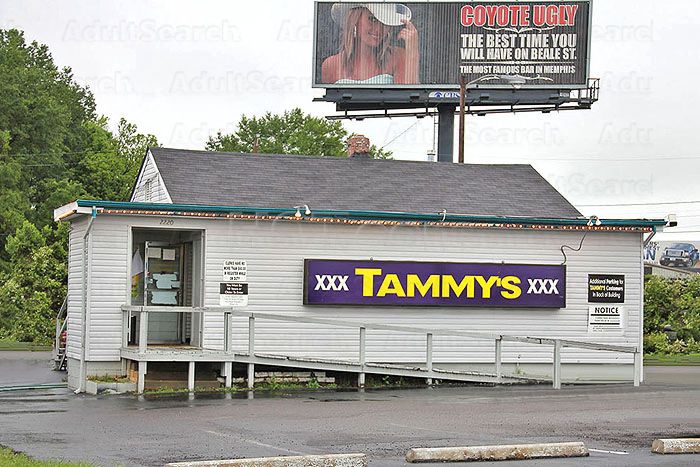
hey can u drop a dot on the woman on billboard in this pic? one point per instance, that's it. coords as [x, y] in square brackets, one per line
[378, 45]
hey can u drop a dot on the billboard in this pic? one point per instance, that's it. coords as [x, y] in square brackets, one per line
[682, 254]
[412, 283]
[428, 45]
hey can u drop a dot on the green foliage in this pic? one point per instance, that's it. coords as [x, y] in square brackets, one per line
[293, 132]
[9, 344]
[53, 150]
[313, 384]
[16, 459]
[675, 303]
[43, 107]
[658, 343]
[35, 285]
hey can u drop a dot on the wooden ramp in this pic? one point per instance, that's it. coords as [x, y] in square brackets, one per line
[143, 353]
[192, 356]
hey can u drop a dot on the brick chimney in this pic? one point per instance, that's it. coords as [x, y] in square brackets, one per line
[358, 146]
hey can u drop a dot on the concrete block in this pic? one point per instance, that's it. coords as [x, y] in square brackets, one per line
[327, 460]
[96, 387]
[676, 446]
[497, 453]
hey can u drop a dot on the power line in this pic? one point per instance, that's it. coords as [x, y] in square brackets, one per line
[625, 159]
[641, 204]
[400, 134]
[36, 154]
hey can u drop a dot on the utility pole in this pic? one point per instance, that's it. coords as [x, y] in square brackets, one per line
[462, 98]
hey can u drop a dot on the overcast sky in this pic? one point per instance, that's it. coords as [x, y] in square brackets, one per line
[183, 70]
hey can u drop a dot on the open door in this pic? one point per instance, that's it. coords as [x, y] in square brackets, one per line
[163, 286]
[166, 271]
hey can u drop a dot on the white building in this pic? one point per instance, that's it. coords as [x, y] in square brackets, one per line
[203, 229]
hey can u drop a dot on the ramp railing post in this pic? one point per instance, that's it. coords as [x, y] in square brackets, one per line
[637, 368]
[361, 375]
[251, 351]
[125, 329]
[190, 377]
[497, 360]
[141, 383]
[556, 369]
[227, 332]
[429, 356]
[228, 347]
[143, 331]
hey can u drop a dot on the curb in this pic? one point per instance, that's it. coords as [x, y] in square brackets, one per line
[327, 460]
[676, 446]
[497, 453]
[27, 387]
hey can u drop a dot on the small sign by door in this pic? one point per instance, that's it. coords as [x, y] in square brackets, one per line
[233, 294]
[235, 270]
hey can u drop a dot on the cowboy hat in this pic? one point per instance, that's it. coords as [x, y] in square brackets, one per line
[390, 14]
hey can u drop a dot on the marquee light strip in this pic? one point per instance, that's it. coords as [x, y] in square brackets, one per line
[390, 223]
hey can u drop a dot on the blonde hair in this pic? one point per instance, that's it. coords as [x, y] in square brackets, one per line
[349, 41]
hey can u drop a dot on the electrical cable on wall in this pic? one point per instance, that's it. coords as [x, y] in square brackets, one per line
[572, 248]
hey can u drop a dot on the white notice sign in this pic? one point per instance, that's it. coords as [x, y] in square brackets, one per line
[605, 318]
[233, 294]
[235, 270]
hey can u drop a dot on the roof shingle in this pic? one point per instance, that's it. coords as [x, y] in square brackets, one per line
[275, 181]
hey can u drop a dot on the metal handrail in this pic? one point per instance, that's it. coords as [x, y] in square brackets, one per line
[174, 309]
[61, 325]
[385, 327]
[438, 332]
[230, 312]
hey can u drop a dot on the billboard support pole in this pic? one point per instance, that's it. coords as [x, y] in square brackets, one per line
[462, 92]
[446, 132]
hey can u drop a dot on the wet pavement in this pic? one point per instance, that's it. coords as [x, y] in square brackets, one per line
[127, 430]
[19, 367]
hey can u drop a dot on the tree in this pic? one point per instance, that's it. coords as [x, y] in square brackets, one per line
[111, 163]
[43, 107]
[42, 131]
[675, 303]
[13, 201]
[53, 150]
[35, 287]
[131, 148]
[293, 132]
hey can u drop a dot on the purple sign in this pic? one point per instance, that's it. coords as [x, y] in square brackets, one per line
[412, 283]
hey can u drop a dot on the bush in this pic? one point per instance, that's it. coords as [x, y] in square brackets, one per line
[675, 303]
[655, 343]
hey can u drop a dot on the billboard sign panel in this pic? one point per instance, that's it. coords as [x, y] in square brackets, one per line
[542, 44]
[411, 283]
[683, 254]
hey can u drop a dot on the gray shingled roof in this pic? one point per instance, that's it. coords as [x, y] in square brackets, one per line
[275, 181]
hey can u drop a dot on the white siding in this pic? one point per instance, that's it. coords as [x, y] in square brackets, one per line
[275, 254]
[75, 287]
[150, 187]
[109, 287]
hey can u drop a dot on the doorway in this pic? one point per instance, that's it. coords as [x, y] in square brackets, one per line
[166, 271]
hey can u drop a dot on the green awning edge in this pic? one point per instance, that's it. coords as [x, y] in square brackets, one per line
[367, 215]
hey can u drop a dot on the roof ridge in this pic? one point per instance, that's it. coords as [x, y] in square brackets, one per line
[334, 158]
[340, 183]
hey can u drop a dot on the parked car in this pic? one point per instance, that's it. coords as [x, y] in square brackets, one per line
[680, 254]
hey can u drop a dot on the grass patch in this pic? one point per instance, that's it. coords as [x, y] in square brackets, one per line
[269, 386]
[6, 344]
[109, 379]
[16, 459]
[692, 359]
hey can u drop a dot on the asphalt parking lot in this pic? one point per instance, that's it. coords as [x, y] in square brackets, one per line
[617, 421]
